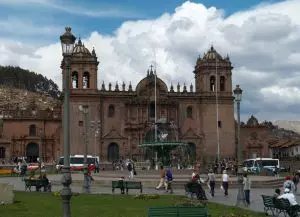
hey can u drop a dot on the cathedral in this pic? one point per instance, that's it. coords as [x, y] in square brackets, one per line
[120, 118]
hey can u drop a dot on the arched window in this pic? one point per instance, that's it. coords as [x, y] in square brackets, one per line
[86, 80]
[74, 79]
[189, 112]
[32, 130]
[2, 152]
[212, 83]
[222, 83]
[111, 111]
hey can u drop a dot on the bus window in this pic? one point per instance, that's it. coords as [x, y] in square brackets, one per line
[76, 160]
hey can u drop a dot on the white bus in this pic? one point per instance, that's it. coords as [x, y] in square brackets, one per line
[77, 162]
[254, 165]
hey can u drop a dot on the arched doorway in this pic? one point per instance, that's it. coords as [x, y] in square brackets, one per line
[192, 151]
[32, 152]
[2, 152]
[112, 152]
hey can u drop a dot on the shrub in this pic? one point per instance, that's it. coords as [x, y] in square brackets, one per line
[147, 197]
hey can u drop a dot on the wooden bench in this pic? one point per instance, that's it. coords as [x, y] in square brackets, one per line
[133, 185]
[38, 183]
[177, 212]
[278, 206]
[118, 184]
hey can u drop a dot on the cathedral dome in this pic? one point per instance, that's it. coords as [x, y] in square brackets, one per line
[80, 49]
[212, 54]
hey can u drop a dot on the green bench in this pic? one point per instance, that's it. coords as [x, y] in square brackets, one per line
[133, 185]
[126, 185]
[37, 183]
[278, 206]
[177, 211]
[118, 184]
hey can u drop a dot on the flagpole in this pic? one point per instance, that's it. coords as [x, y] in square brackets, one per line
[155, 117]
[217, 112]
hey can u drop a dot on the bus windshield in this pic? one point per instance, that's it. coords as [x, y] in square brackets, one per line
[248, 163]
[78, 160]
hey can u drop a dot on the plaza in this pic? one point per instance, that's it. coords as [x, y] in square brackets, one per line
[102, 185]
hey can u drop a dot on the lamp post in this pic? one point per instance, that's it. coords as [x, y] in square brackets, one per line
[67, 44]
[41, 151]
[86, 183]
[241, 195]
[95, 125]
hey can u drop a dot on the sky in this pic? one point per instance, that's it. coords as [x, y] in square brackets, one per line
[262, 39]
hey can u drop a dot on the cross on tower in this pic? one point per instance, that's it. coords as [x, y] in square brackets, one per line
[151, 66]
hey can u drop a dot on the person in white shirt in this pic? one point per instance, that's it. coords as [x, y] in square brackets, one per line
[225, 179]
[290, 196]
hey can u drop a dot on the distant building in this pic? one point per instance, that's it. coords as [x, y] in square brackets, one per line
[266, 140]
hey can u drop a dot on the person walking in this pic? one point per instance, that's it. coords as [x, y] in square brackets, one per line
[162, 178]
[211, 179]
[169, 179]
[247, 187]
[225, 179]
[130, 170]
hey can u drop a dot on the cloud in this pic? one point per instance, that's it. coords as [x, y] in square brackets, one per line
[21, 27]
[75, 8]
[263, 44]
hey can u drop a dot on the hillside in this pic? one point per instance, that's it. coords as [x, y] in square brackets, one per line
[17, 77]
[12, 98]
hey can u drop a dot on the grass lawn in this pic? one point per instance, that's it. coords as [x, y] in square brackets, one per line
[34, 204]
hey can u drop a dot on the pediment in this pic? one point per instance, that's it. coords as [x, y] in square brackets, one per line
[113, 134]
[190, 133]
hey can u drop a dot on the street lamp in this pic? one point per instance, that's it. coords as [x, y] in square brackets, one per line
[241, 195]
[41, 150]
[86, 182]
[67, 44]
[95, 125]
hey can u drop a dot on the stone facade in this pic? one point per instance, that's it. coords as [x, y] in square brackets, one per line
[265, 139]
[126, 114]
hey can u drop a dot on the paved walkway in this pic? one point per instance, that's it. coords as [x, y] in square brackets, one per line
[256, 200]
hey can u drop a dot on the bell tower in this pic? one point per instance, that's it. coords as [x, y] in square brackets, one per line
[212, 72]
[83, 69]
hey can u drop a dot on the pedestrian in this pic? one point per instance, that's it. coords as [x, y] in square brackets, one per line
[162, 178]
[130, 170]
[288, 183]
[247, 187]
[211, 179]
[225, 179]
[169, 179]
[277, 192]
[276, 172]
